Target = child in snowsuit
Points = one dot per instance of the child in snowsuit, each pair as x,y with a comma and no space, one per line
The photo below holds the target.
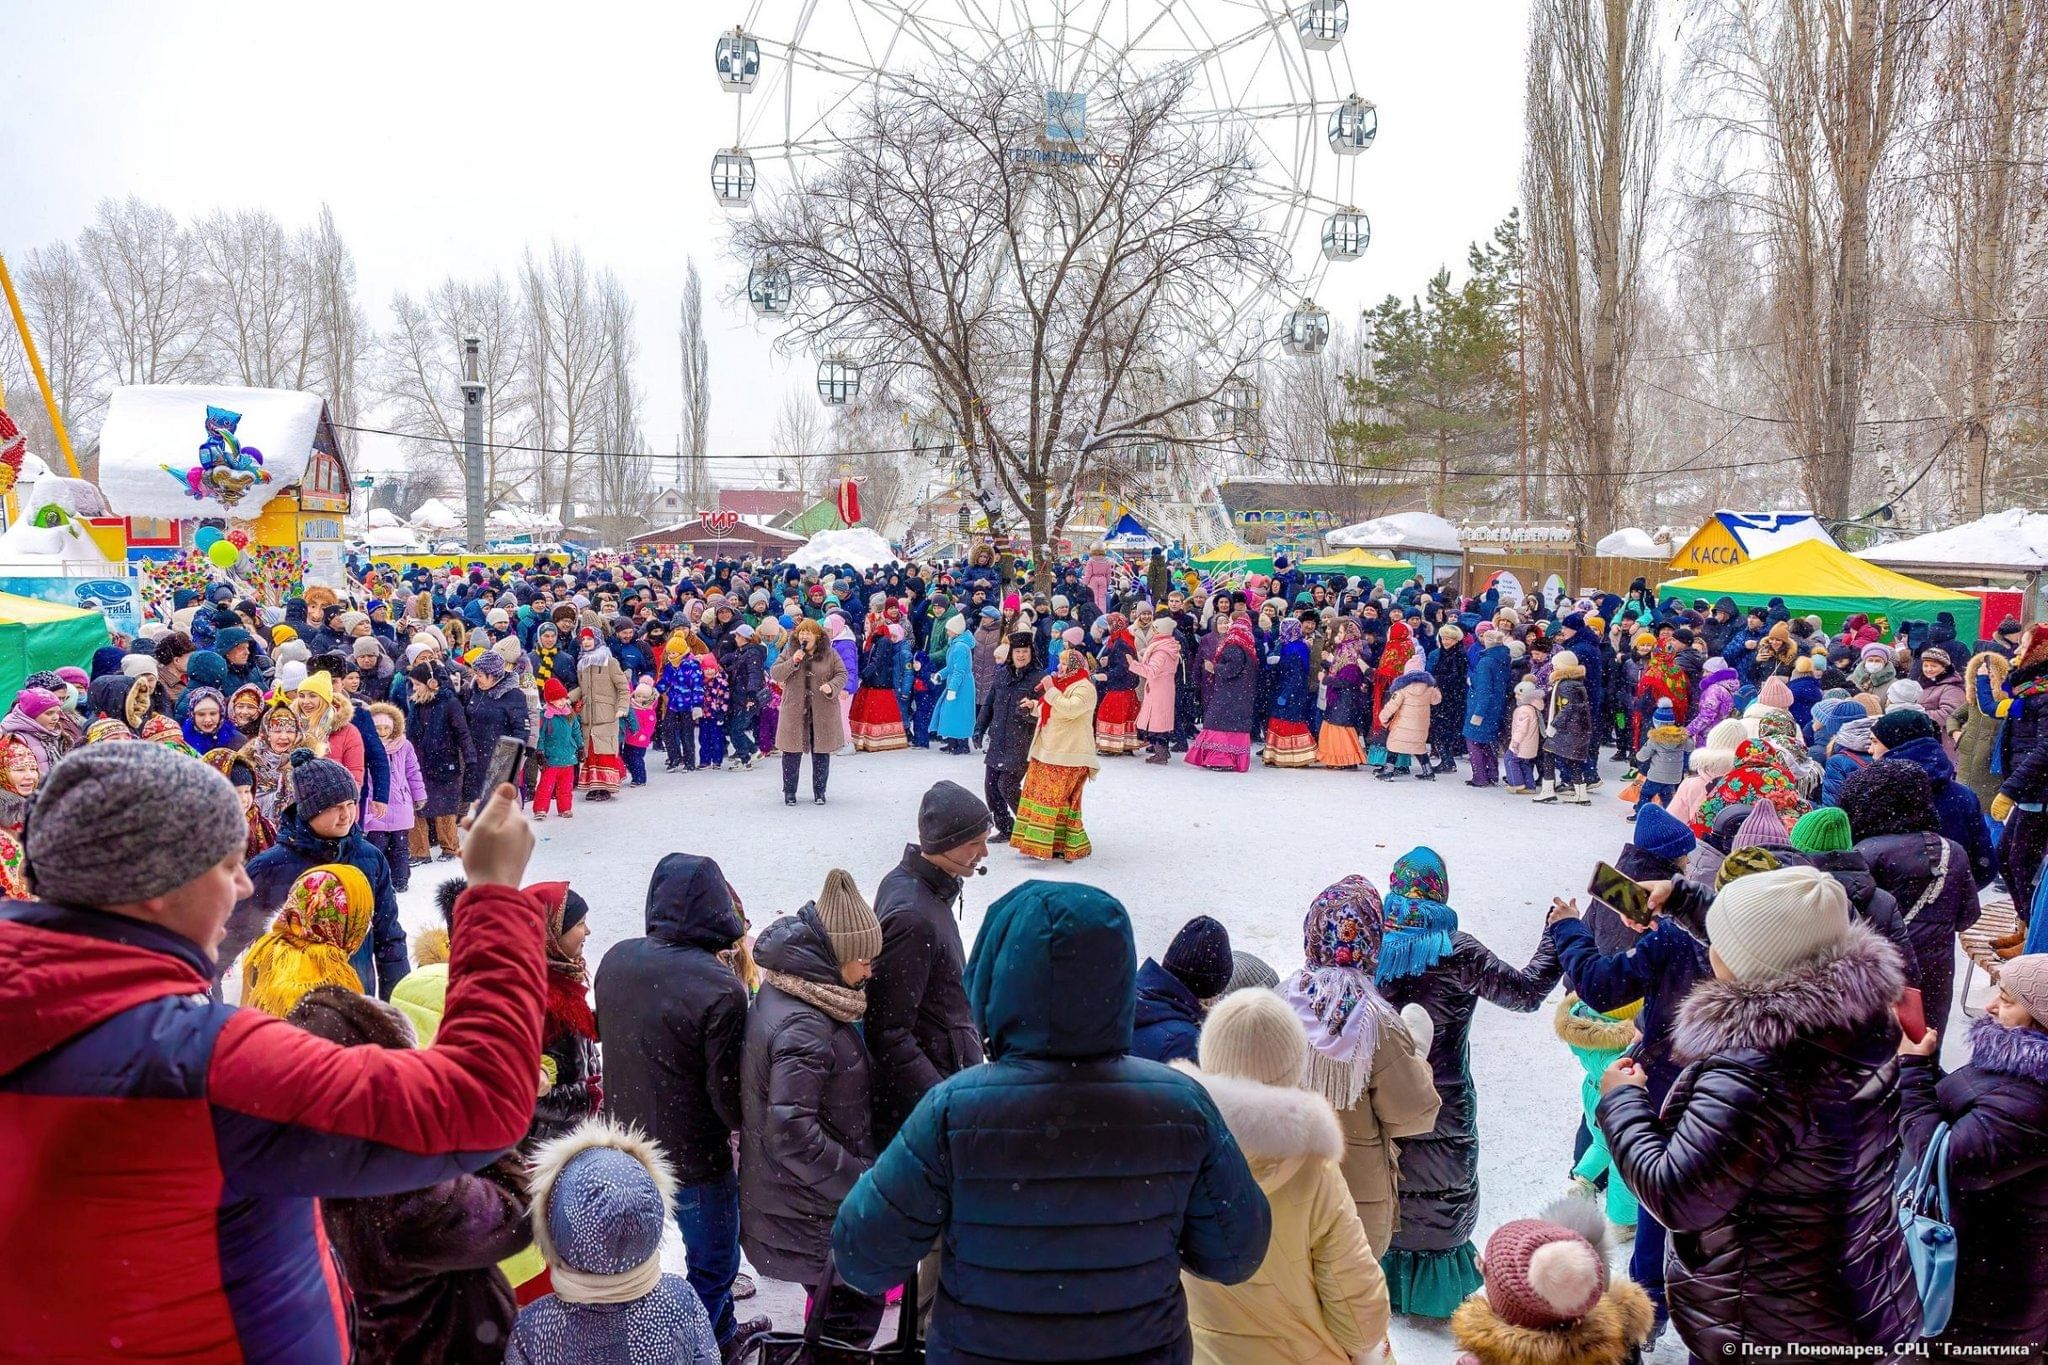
561,749
711,725
682,697
1597,1038
1568,735
1662,758
636,731
1525,738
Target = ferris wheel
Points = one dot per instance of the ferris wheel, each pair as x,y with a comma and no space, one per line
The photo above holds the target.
1276,70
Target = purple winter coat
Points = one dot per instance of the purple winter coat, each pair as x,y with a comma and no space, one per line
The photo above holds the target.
408,791
1717,703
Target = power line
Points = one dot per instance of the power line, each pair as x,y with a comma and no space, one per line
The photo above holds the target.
631,454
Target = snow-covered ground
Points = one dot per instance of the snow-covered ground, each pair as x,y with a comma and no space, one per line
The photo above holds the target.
1252,850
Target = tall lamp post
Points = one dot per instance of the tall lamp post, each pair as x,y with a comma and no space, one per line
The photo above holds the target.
473,440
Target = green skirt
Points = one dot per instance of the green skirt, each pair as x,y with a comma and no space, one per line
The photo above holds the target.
1430,1284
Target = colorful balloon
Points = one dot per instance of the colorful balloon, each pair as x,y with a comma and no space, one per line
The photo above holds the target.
205,538
239,539
223,554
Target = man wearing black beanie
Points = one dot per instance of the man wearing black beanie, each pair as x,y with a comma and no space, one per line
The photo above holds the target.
1174,992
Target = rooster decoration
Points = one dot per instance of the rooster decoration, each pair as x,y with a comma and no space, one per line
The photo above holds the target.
13,445
227,469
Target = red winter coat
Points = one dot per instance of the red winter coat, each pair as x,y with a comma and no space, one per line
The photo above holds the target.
167,1154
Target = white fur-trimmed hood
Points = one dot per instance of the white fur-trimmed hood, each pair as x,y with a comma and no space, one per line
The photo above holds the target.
552,1156
1276,1123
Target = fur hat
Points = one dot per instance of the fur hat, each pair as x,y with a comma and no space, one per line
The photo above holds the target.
1890,796
849,922
601,1197
1254,1035
1767,925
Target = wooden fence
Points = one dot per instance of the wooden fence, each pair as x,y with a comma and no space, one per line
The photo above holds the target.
1582,574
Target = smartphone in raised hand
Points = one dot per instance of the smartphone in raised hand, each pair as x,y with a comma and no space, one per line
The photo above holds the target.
1621,895
508,763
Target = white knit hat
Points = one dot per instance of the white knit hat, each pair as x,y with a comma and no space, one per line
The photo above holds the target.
1768,924
1254,1034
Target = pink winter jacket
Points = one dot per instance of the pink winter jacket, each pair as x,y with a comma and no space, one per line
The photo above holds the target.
1158,666
1526,738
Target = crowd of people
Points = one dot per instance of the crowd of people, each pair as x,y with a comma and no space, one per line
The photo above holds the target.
470,1146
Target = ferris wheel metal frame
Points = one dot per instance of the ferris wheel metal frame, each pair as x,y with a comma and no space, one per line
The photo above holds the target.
794,64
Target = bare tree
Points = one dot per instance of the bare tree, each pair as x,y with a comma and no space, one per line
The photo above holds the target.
144,265
255,293
1805,98
567,369
1020,286
1593,115
696,358
798,445
68,321
1306,403
619,476
337,332
418,378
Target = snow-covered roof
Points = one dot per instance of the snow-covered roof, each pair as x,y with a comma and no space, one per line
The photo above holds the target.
197,450
2012,541
1419,531
1765,533
857,545
394,538
1632,542
436,515
381,518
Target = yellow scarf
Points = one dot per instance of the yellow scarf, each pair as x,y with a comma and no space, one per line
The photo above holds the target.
324,920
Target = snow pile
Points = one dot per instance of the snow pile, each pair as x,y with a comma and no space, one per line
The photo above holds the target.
2014,540
1631,542
31,549
436,515
1400,531
381,519
856,545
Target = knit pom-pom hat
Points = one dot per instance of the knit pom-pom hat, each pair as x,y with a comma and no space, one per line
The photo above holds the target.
1542,1273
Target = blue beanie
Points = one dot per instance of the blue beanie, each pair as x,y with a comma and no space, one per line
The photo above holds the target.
1660,832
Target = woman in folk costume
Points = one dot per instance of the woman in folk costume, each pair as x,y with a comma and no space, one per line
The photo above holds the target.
1427,960
1663,680
1760,774
603,698
1116,716
1346,687
843,644
876,716
1370,1063
326,917
269,754
571,1079
1225,742
1288,742
1063,760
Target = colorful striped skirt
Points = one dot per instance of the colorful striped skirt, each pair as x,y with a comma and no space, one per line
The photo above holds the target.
1288,744
876,721
1049,813
1116,724
1337,747
602,772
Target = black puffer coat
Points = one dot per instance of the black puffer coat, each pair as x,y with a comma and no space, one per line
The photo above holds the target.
919,1028
1935,908
1773,1159
1440,1170
2023,740
1997,1112
499,713
804,1094
673,1019
439,731
1003,721
1449,665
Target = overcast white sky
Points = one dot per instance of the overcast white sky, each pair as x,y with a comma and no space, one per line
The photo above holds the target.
449,137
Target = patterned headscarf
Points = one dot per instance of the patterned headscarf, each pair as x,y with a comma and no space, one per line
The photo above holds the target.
326,917
1290,631
1333,994
1419,922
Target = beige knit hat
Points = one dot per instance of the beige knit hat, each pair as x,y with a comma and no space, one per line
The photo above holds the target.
1254,1034
855,932
2025,979
1767,925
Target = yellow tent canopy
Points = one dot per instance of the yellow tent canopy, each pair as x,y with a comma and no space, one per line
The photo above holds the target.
1363,563
1230,554
1816,578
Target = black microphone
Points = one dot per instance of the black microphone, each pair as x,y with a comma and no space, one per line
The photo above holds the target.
981,871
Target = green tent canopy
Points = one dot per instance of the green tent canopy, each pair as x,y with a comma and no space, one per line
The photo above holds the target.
1232,556
36,636
1816,579
1362,564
